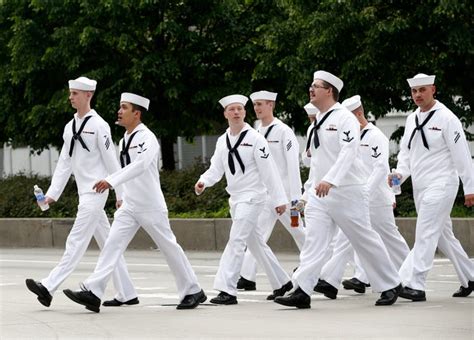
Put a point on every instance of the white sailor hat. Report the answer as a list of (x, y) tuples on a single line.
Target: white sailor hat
[(311, 110), (135, 99), (263, 95), (330, 78), (232, 99), (83, 84), (421, 79), (352, 103)]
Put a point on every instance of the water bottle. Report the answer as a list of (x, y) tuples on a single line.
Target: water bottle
[(40, 199), (396, 185), (294, 215)]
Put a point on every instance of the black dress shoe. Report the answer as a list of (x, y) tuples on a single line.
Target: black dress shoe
[(327, 289), (245, 284), (85, 298), (463, 291), (117, 303), (192, 300), (298, 299), (281, 291), (389, 297), (44, 297), (412, 294), (224, 299), (354, 284)]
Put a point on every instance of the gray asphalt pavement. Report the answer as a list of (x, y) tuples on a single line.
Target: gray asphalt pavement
[(351, 315)]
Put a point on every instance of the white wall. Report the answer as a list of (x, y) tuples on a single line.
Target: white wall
[(22, 160)]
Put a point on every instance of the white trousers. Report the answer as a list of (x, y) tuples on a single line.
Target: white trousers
[(346, 207), (245, 231), (91, 220), (434, 228), (266, 222), (383, 222), (156, 224)]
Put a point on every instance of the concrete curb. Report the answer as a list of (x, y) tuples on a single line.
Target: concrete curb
[(192, 234)]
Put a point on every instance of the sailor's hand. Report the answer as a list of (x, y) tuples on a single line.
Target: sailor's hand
[(322, 189), (281, 209), (101, 186), (199, 188)]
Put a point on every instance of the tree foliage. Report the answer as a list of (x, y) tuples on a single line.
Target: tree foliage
[(185, 55), (373, 46)]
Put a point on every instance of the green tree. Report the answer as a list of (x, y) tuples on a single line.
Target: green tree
[(183, 55), (373, 46)]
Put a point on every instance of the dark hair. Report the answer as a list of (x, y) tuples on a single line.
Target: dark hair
[(335, 92), (136, 107)]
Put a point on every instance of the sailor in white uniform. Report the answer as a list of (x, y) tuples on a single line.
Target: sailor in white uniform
[(244, 157), (88, 153), (311, 111), (143, 205), (284, 149), (435, 153), (374, 152), (339, 198)]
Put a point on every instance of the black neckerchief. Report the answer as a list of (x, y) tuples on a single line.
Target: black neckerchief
[(124, 155), (233, 150), (77, 135), (420, 127), (314, 131), (268, 131)]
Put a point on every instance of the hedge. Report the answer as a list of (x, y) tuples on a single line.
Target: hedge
[(17, 200)]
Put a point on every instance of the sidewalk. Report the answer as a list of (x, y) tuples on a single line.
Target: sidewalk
[(351, 316)]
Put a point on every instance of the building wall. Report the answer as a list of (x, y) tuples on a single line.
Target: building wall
[(21, 160)]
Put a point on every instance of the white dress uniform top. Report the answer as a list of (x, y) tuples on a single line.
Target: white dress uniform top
[(335, 161), (374, 153), (143, 205), (248, 192), (284, 149), (87, 166), (435, 173)]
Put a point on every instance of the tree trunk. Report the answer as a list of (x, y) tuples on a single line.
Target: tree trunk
[(167, 153)]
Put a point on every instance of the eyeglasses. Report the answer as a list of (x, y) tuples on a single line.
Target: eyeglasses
[(316, 86)]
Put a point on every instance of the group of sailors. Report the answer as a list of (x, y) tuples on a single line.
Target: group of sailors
[(347, 201)]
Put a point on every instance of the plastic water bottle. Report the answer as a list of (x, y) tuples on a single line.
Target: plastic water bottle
[(40, 199), (396, 185), (294, 215)]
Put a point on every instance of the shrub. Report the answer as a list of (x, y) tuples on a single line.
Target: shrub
[(17, 200)]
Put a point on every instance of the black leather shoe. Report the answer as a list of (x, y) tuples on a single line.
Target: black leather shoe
[(327, 289), (355, 284), (224, 299), (389, 297), (245, 284), (85, 298), (117, 303), (44, 297), (298, 299), (463, 291), (281, 291), (192, 300), (412, 294)]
